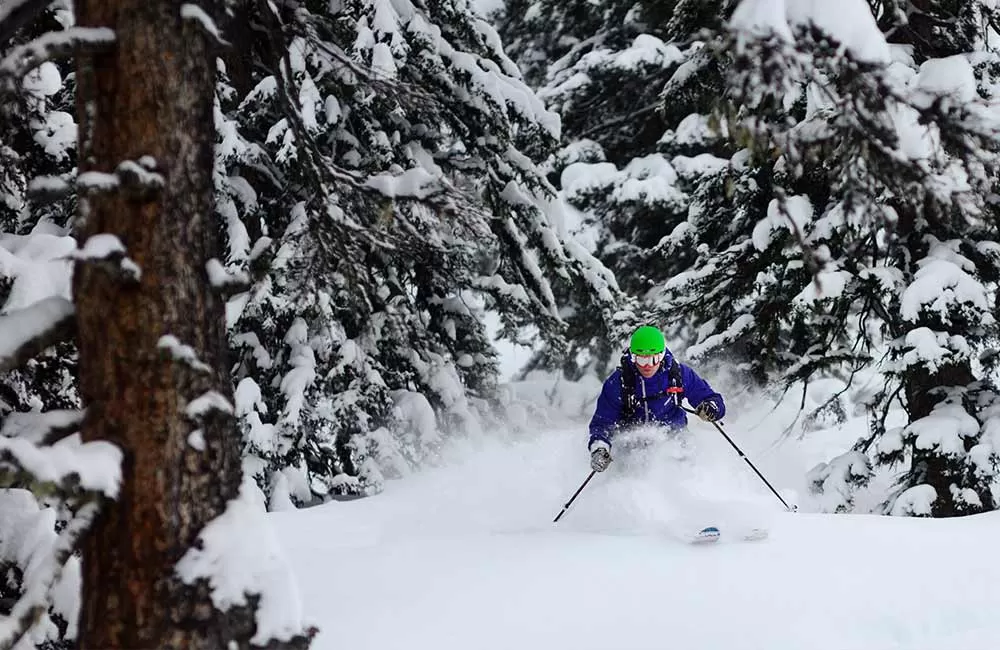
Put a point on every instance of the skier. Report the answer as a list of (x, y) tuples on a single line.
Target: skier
[(646, 389)]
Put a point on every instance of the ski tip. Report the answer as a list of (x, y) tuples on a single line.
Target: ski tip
[(713, 534), (708, 534)]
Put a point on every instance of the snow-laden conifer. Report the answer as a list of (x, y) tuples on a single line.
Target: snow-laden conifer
[(378, 180)]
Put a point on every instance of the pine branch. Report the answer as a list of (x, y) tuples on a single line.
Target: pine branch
[(836, 396), (787, 431), (135, 180), (321, 172), (42, 428), (15, 14), (29, 331), (49, 189), (196, 14), (878, 426), (48, 47), (37, 597), (106, 252), (809, 257), (645, 110), (227, 283), (445, 196)]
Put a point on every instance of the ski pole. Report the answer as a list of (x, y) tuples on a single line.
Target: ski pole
[(573, 498), (744, 457)]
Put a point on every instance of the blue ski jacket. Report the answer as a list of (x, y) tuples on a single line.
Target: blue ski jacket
[(655, 404)]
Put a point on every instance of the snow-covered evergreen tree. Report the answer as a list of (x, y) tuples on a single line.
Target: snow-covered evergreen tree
[(38, 393), (884, 163), (376, 175), (37, 156), (374, 183), (782, 188), (636, 98), (540, 34)]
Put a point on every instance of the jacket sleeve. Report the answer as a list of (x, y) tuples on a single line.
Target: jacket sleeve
[(608, 411), (697, 390)]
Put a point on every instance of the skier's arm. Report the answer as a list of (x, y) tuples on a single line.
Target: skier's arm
[(697, 390), (608, 411)]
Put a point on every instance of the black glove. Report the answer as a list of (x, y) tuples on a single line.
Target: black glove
[(600, 459), (708, 411)]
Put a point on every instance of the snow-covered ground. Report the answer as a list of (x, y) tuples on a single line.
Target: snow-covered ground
[(465, 556)]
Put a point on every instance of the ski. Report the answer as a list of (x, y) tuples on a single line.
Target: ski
[(711, 535), (707, 535)]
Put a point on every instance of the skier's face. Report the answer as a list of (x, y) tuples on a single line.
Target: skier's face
[(648, 364)]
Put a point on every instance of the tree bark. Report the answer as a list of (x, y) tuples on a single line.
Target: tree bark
[(152, 96)]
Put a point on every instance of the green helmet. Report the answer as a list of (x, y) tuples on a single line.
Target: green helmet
[(647, 340)]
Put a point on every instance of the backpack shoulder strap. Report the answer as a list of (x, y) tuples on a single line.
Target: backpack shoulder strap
[(629, 399), (676, 385)]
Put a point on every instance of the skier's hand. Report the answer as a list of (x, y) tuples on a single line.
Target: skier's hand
[(600, 459), (708, 411)]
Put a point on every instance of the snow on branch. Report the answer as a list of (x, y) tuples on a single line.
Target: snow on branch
[(108, 252), (229, 282), (740, 325), (924, 347), (850, 22), (497, 285), (207, 402), (47, 189), (239, 556), (302, 359), (94, 466), (138, 180), (181, 352), (44, 573), (196, 14), (101, 247), (836, 483), (947, 429), (917, 501), (528, 265), (226, 282), (324, 172), (26, 332), (96, 182), (42, 428), (945, 285), (25, 58), (415, 183), (197, 439)]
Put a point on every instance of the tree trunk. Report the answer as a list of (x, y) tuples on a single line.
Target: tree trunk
[(152, 96)]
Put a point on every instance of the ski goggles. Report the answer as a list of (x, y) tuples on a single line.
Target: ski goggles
[(648, 360)]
